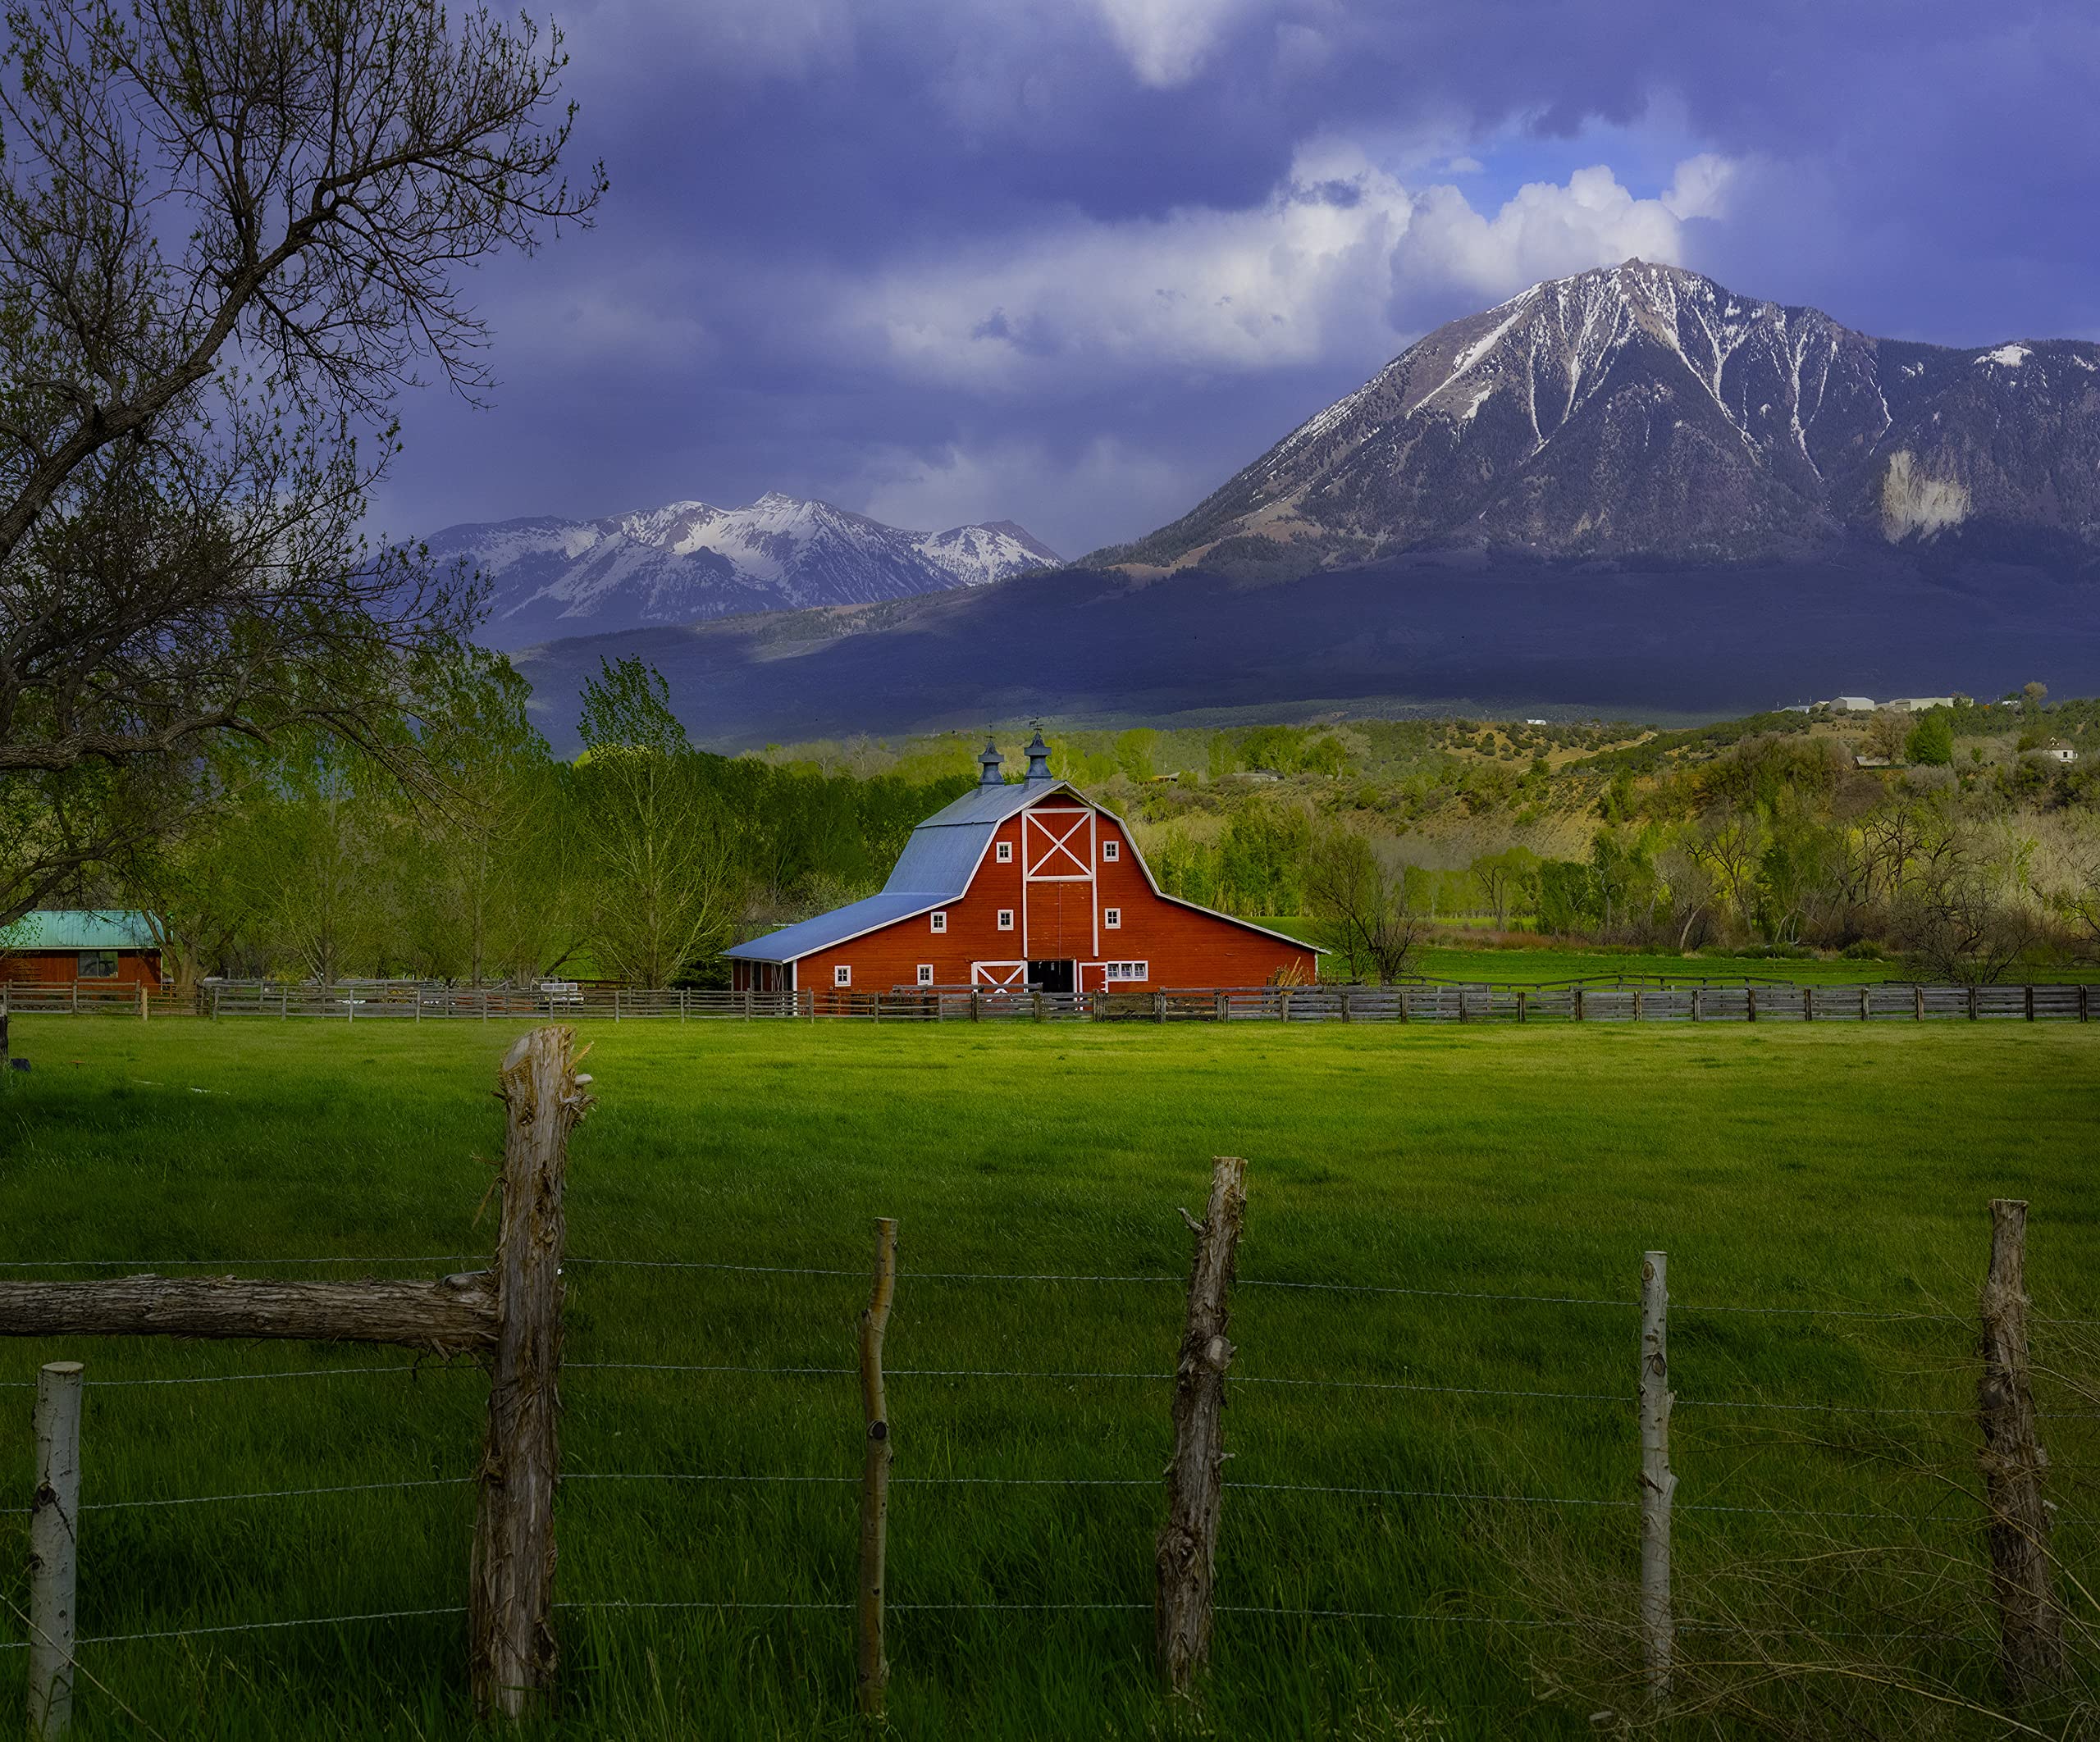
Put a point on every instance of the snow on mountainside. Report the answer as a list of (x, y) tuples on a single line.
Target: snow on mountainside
[(1647, 410), (688, 560)]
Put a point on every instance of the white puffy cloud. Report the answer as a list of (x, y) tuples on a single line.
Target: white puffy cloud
[(1328, 268), (1546, 231)]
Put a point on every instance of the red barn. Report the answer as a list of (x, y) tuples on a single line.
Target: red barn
[(1028, 886)]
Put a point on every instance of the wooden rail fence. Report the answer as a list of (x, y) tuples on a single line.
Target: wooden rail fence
[(1481, 1001), (510, 1316)]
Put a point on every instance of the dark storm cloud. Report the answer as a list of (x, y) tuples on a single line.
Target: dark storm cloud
[(1073, 262)]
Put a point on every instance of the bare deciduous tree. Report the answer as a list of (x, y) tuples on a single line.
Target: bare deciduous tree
[(1361, 907), (230, 232)]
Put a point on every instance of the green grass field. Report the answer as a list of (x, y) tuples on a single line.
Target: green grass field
[(1781, 1168), (1549, 963)]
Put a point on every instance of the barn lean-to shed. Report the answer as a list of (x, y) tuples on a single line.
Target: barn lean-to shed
[(1020, 885)]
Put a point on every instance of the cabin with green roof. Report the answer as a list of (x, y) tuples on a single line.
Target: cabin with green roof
[(105, 947)]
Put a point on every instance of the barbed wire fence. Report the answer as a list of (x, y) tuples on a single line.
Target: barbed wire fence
[(1977, 1509)]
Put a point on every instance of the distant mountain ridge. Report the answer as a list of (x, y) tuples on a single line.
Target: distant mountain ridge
[(1646, 411), (689, 561)]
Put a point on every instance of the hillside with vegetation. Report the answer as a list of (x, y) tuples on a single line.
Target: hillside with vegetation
[(1953, 844)]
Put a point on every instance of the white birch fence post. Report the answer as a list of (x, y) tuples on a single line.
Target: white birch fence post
[(54, 1517), (1657, 1485)]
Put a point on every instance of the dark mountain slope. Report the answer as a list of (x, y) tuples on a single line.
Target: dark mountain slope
[(1504, 637)]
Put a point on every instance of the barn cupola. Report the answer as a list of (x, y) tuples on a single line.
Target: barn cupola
[(991, 762), (1038, 757)]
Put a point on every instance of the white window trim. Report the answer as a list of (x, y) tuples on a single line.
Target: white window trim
[(1112, 919), (1120, 971), (1006, 919), (841, 975), (940, 918), (1112, 852), (1004, 853), (925, 973)]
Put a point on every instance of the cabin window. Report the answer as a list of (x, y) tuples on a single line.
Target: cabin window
[(925, 973), (1128, 970), (1006, 919), (1112, 917), (1004, 853), (841, 975), (1110, 851), (940, 921), (98, 965)]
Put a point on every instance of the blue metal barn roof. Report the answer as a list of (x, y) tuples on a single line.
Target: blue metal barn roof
[(934, 868)]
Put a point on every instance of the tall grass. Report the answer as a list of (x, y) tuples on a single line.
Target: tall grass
[(1780, 1168)]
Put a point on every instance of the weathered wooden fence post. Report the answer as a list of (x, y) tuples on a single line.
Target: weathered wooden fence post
[(1918, 1003), (510, 1602), (1186, 1554), (2030, 1623), (54, 1515), (1658, 1486), (872, 1677)]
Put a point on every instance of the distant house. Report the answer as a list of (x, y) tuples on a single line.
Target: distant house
[(2060, 752), (1919, 703), (1850, 705), (62, 946), (1872, 762)]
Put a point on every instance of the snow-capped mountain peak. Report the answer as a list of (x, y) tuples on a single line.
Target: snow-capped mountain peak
[(1646, 409), (689, 560)]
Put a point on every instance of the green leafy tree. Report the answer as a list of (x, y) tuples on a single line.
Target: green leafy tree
[(665, 888), (1134, 751), (1930, 742)]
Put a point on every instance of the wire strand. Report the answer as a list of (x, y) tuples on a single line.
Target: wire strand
[(280, 1493)]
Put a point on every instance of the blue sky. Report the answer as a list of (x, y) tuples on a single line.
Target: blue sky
[(1072, 262)]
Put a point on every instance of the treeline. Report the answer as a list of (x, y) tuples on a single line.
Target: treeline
[(481, 859), (1777, 841)]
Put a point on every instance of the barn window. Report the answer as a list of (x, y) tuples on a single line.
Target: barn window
[(1006, 919), (841, 975), (1110, 851), (1112, 917), (925, 973), (98, 965), (1128, 970), (1005, 855), (940, 921)]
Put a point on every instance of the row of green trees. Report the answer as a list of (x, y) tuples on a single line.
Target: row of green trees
[(638, 861)]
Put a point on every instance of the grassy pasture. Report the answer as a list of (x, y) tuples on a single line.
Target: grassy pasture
[(1826, 1167)]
